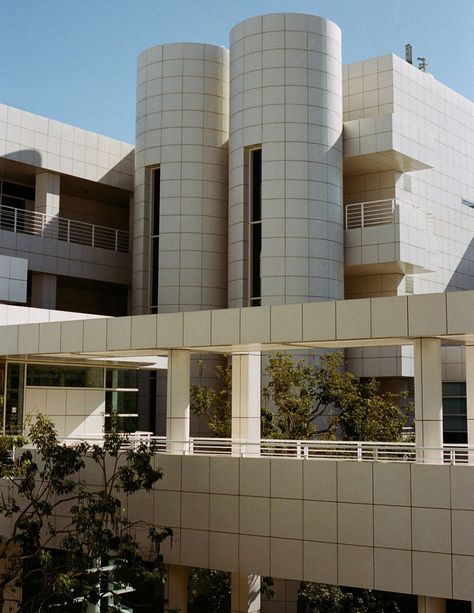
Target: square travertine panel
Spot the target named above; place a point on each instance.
(431, 530)
(195, 511)
(353, 319)
(286, 518)
(169, 330)
(224, 551)
(255, 325)
(392, 484)
(355, 566)
(255, 477)
(254, 555)
(463, 532)
(197, 328)
(462, 487)
(143, 331)
(392, 570)
(430, 486)
(225, 326)
(167, 508)
(171, 467)
(319, 480)
(286, 478)
(50, 337)
(355, 524)
(119, 332)
(224, 513)
(286, 323)
(354, 482)
(392, 527)
(72, 336)
(432, 574)
(254, 515)
(463, 572)
(320, 562)
(28, 338)
(9, 340)
(460, 307)
(195, 548)
(427, 314)
(320, 521)
(390, 316)
(95, 334)
(195, 476)
(171, 548)
(286, 558)
(224, 475)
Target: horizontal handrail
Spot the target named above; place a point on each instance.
(63, 229)
(313, 449)
(378, 213)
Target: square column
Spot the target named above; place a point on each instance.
(47, 199)
(427, 604)
(178, 400)
(176, 588)
(428, 399)
(246, 390)
(245, 593)
(43, 290)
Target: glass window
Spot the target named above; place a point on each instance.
(116, 377)
(454, 412)
(48, 375)
(155, 239)
(255, 191)
(14, 397)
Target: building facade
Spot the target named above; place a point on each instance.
(263, 175)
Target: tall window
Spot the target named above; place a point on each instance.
(454, 412)
(255, 197)
(154, 239)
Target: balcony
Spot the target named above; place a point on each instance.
(387, 236)
(62, 229)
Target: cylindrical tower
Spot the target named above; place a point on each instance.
(180, 208)
(285, 161)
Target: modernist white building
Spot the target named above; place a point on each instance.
(274, 198)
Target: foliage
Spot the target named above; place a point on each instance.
(322, 598)
(209, 591)
(215, 403)
(64, 532)
(298, 394)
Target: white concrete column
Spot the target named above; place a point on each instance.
(177, 400)
(427, 604)
(470, 394)
(176, 587)
(43, 291)
(428, 398)
(245, 593)
(47, 193)
(246, 392)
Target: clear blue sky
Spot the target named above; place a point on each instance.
(75, 60)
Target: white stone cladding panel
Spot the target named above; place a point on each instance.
(286, 96)
(182, 126)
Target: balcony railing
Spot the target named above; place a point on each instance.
(311, 450)
(60, 228)
(374, 213)
(379, 213)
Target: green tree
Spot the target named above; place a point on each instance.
(71, 544)
(298, 394)
(215, 402)
(322, 598)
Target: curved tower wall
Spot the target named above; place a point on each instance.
(182, 129)
(286, 97)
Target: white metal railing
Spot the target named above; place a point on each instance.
(379, 213)
(374, 213)
(60, 228)
(311, 450)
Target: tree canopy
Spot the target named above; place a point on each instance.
(70, 543)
